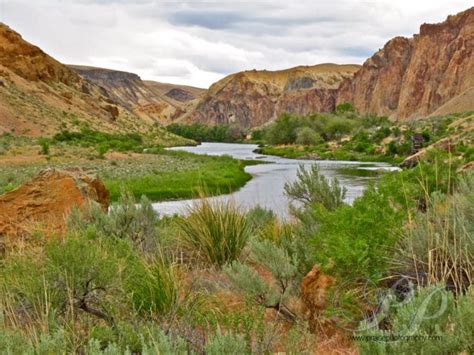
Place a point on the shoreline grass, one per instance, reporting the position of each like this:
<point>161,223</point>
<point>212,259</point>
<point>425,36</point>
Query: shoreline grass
<point>216,175</point>
<point>166,175</point>
<point>310,152</point>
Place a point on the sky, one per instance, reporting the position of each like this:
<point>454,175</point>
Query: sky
<point>199,42</point>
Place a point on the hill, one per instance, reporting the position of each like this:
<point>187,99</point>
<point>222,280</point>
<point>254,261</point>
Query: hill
<point>40,96</point>
<point>152,101</point>
<point>252,98</point>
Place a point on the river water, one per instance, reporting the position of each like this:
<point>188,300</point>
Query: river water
<point>266,186</point>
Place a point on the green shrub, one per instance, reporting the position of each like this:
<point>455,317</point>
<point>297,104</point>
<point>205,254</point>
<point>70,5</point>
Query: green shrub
<point>280,264</point>
<point>203,133</point>
<point>306,136</point>
<point>345,107</point>
<point>76,276</point>
<point>218,231</point>
<point>226,343</point>
<point>45,144</point>
<point>282,130</point>
<point>311,188</point>
<point>428,322</point>
<point>355,241</point>
<point>102,141</point>
<point>127,220</point>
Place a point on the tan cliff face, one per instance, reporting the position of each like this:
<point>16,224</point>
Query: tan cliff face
<point>152,101</point>
<point>29,61</point>
<point>431,73</point>
<point>40,96</point>
<point>252,98</point>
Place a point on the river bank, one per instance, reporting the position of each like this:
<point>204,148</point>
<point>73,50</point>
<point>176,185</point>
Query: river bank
<point>266,188</point>
<point>165,175</point>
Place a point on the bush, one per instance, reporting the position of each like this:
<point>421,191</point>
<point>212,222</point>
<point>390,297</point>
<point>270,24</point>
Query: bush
<point>226,343</point>
<point>126,220</point>
<point>77,275</point>
<point>282,267</point>
<point>306,136</point>
<point>428,322</point>
<point>45,144</point>
<point>102,141</point>
<point>203,133</point>
<point>345,107</point>
<point>282,130</point>
<point>218,231</point>
<point>311,188</point>
<point>355,241</point>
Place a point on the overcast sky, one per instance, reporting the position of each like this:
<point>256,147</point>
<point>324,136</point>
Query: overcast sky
<point>198,42</point>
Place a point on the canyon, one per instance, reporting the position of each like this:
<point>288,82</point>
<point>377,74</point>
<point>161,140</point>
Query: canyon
<point>431,73</point>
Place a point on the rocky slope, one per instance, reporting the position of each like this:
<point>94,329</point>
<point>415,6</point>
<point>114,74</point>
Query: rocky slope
<point>152,101</point>
<point>40,96</point>
<point>252,98</point>
<point>431,73</point>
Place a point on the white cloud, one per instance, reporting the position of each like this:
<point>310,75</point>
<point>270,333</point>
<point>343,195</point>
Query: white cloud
<point>199,42</point>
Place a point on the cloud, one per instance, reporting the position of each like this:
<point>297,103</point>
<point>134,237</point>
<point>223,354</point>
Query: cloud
<point>198,42</point>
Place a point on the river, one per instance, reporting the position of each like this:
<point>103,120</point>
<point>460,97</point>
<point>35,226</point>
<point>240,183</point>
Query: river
<point>266,186</point>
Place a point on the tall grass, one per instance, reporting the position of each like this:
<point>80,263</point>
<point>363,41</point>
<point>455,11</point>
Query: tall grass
<point>153,287</point>
<point>217,231</point>
<point>438,247</point>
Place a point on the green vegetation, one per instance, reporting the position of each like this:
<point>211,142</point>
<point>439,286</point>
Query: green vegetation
<point>430,321</point>
<point>396,264</point>
<point>218,231</point>
<point>143,168</point>
<point>347,135</point>
<point>44,143</point>
<point>216,175</point>
<point>103,142</point>
<point>203,133</point>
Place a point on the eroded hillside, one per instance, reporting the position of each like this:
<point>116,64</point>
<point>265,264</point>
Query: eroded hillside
<point>431,73</point>
<point>252,98</point>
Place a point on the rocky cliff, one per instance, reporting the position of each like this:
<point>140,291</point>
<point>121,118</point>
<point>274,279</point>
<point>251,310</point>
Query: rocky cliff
<point>152,101</point>
<point>40,96</point>
<point>252,98</point>
<point>431,73</point>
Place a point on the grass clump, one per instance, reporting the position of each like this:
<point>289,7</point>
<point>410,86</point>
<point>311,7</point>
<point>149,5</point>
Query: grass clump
<point>217,231</point>
<point>438,247</point>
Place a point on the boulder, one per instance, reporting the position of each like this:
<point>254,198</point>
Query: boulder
<point>47,200</point>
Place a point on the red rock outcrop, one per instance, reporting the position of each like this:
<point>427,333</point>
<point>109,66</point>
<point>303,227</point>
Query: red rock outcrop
<point>415,77</point>
<point>47,200</point>
<point>252,98</point>
<point>314,292</point>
